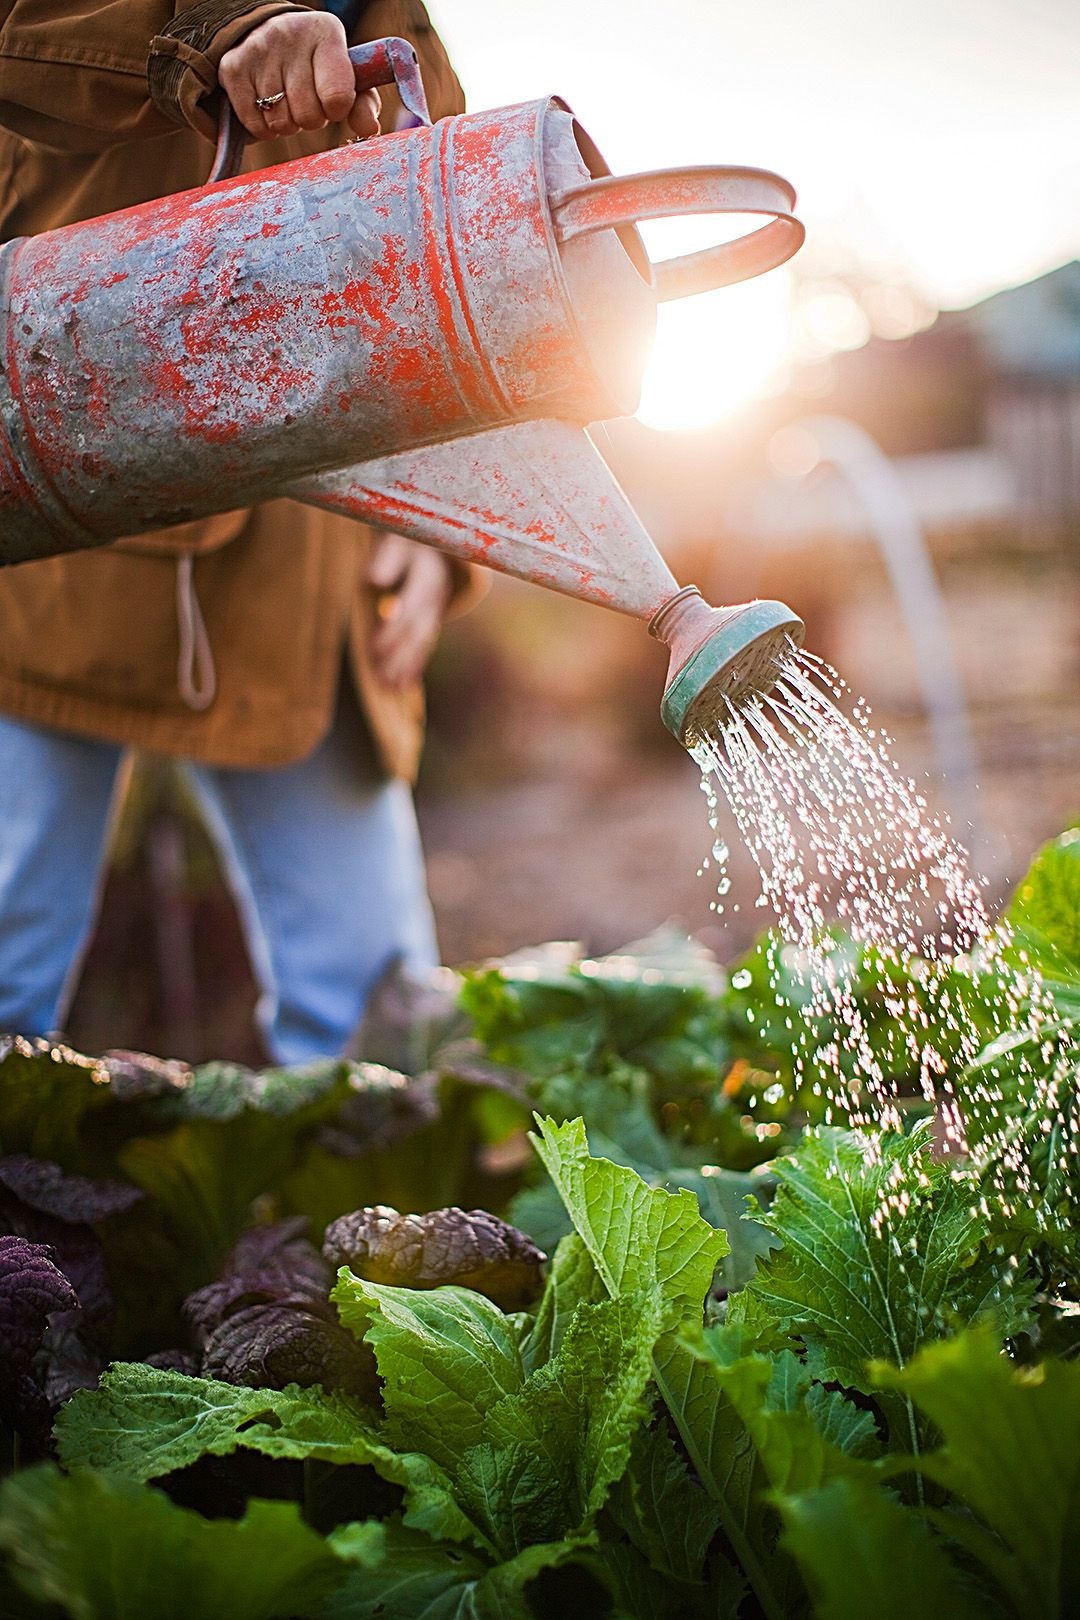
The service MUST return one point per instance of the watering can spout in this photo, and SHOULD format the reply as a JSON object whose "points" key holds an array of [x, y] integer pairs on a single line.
{"points": [[720, 657], [535, 500]]}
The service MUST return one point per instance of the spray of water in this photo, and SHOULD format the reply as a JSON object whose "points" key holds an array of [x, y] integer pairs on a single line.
{"points": [[838, 833]]}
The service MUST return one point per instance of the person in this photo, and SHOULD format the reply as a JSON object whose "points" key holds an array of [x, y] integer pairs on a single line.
{"points": [[277, 651]]}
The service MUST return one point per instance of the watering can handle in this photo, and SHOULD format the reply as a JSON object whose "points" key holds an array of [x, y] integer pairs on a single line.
{"points": [[624, 199], [380, 61]]}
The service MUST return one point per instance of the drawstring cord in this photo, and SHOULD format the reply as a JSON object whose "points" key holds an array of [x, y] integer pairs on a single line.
{"points": [[196, 676]]}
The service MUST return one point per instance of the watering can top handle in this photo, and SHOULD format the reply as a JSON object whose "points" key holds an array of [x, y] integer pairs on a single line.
{"points": [[380, 61], [624, 199]]}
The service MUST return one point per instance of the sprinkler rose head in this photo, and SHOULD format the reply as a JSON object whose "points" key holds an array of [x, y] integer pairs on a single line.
{"points": [[719, 656]]}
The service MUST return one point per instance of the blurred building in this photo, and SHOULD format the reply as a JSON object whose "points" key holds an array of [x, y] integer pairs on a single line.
{"points": [[980, 413]]}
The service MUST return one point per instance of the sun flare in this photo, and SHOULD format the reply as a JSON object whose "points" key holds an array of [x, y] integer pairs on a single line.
{"points": [[716, 353]]}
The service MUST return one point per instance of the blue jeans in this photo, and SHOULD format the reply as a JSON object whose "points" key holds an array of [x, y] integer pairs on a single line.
{"points": [[323, 857]]}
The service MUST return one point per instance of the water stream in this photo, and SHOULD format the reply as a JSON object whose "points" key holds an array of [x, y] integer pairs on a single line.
{"points": [[840, 836]]}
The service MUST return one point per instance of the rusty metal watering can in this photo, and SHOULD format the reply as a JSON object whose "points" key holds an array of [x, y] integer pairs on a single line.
{"points": [[413, 331]]}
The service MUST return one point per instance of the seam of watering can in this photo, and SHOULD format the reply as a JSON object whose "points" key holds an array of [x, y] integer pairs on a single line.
{"points": [[443, 166], [475, 384]]}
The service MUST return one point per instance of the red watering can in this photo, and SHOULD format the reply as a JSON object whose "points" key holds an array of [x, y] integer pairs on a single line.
{"points": [[413, 331]]}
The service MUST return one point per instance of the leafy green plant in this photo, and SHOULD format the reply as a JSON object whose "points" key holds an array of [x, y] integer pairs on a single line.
{"points": [[881, 1248], [835, 1384], [1022, 1100]]}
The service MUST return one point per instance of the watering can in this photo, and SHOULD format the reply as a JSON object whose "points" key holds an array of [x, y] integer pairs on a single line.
{"points": [[413, 331]]}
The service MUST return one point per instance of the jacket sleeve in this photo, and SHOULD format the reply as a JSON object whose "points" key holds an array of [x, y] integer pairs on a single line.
{"points": [[75, 77]]}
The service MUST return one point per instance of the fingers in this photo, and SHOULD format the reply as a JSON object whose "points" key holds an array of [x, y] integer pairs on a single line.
{"points": [[405, 637], [333, 80], [299, 62], [390, 555], [363, 120]]}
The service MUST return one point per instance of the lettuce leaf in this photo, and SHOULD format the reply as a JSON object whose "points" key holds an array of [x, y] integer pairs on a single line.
{"points": [[664, 1513], [641, 1238], [1011, 1455], [882, 1249], [417, 1579], [446, 1356], [146, 1556], [1022, 1102], [863, 1554], [532, 1453], [145, 1422]]}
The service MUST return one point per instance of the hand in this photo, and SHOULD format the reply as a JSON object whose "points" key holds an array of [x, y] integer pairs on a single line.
{"points": [[416, 586], [306, 54]]}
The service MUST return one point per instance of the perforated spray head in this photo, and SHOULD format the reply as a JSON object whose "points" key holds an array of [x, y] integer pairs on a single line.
{"points": [[719, 656]]}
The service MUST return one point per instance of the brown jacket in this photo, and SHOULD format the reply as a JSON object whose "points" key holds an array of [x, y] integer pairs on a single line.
{"points": [[93, 642]]}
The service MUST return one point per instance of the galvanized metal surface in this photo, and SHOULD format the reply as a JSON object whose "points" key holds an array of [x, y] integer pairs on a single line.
{"points": [[535, 500], [195, 352]]}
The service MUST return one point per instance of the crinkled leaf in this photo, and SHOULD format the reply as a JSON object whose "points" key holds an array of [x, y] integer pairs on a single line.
{"points": [[271, 1346], [445, 1356], [33, 1293], [863, 1554], [268, 1265], [666, 1514], [76, 1199], [573, 1280], [641, 1238], [32, 1288], [1011, 1453], [553, 1449], [882, 1249], [534, 1453], [207, 1308], [470, 1249], [101, 1546], [144, 1423], [803, 1434]]}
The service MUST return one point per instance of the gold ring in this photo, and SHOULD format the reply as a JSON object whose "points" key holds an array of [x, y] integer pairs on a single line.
{"points": [[269, 101]]}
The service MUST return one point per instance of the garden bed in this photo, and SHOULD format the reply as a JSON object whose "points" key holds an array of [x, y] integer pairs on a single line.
{"points": [[772, 1366]]}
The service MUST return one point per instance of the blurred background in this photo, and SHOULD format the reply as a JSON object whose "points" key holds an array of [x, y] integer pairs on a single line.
{"points": [[885, 433]]}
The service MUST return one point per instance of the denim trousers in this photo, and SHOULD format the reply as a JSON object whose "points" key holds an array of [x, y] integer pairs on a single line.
{"points": [[323, 858]]}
